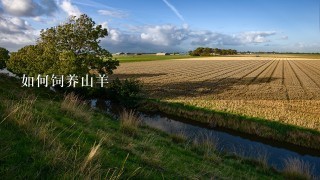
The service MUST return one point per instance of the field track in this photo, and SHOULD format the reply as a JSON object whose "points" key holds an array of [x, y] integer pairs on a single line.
{"points": [[278, 89]]}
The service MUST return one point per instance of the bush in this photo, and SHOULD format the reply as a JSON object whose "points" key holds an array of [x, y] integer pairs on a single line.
{"points": [[125, 92]]}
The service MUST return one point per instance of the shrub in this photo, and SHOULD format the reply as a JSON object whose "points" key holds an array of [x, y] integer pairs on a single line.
{"points": [[125, 92]]}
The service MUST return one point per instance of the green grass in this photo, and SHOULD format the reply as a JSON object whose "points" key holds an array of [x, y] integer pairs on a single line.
{"points": [[53, 143], [139, 58]]}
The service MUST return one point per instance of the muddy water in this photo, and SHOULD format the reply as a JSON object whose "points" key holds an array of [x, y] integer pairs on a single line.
{"points": [[227, 141]]}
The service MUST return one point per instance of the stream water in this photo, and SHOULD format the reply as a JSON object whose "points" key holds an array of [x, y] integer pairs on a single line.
{"points": [[227, 141]]}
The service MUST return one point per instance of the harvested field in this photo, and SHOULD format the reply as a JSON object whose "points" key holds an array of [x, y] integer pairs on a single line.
{"points": [[279, 89]]}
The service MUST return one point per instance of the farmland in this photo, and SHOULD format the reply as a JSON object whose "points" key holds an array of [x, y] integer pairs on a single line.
{"points": [[147, 57], [274, 88]]}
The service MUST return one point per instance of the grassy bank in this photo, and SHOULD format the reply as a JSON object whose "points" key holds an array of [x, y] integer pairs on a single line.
{"points": [[139, 58], [254, 126], [44, 135]]}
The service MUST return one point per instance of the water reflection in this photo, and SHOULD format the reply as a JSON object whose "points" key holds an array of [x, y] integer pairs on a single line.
{"points": [[226, 142]]}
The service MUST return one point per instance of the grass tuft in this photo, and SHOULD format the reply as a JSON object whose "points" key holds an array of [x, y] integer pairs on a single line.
{"points": [[129, 122], [117, 173], [179, 137], [295, 168], [154, 159], [20, 111], [76, 108], [262, 159], [92, 154], [205, 144]]}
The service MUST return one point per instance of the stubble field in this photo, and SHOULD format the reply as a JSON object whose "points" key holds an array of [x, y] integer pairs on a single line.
{"points": [[279, 89]]}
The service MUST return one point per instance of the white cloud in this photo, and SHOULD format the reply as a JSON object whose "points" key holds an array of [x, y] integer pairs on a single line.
{"points": [[38, 19], [255, 36], [104, 25], [13, 25], [15, 33], [145, 38], [165, 35], [170, 38], [244, 38], [18, 7], [69, 8], [29, 8], [92, 3], [174, 9], [115, 35], [113, 13]]}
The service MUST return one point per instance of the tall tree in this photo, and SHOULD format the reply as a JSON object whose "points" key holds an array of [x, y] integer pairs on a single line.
{"points": [[72, 47], [4, 56]]}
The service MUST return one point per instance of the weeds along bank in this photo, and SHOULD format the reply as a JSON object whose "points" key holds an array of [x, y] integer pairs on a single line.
{"points": [[254, 126], [45, 135]]}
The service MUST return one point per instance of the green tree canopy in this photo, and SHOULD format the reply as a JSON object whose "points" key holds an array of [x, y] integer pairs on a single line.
{"points": [[72, 47], [4, 56], [27, 60], [206, 51]]}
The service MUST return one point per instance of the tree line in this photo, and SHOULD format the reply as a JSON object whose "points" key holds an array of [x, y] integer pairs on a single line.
{"points": [[206, 51]]}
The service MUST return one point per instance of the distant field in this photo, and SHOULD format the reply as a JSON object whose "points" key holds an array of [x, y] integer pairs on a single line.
{"points": [[280, 89], [307, 56], [138, 58]]}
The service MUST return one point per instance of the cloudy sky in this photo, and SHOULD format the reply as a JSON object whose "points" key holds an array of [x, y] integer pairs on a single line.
{"points": [[173, 25]]}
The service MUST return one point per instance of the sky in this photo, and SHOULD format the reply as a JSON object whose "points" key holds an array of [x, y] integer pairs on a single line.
{"points": [[173, 25]]}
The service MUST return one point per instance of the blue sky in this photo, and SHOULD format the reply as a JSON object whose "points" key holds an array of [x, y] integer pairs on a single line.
{"points": [[173, 25]]}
